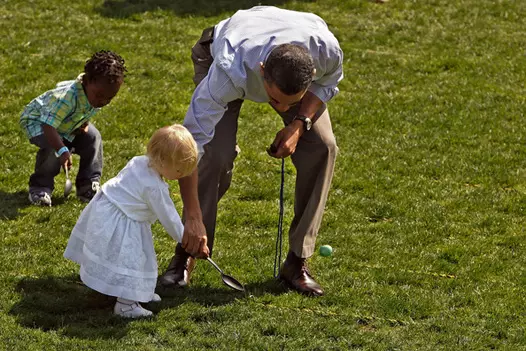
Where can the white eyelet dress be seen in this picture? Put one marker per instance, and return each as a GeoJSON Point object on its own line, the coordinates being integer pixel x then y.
{"type": "Point", "coordinates": [112, 240]}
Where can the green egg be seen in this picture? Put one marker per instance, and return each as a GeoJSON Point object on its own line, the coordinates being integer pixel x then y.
{"type": "Point", "coordinates": [325, 250]}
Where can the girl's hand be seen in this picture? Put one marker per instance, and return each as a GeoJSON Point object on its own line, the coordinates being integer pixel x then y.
{"type": "Point", "coordinates": [194, 238]}
{"type": "Point", "coordinates": [204, 252]}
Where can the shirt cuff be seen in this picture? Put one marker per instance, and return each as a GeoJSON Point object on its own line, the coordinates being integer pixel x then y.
{"type": "Point", "coordinates": [323, 93]}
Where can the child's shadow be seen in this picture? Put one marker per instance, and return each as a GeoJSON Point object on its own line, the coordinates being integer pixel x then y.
{"type": "Point", "coordinates": [11, 203]}
{"type": "Point", "coordinates": [66, 304]}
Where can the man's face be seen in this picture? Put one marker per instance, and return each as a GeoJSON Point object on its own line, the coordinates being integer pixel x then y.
{"type": "Point", "coordinates": [277, 99]}
{"type": "Point", "coordinates": [280, 101]}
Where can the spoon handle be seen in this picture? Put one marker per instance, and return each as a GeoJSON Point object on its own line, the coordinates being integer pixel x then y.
{"type": "Point", "coordinates": [215, 265]}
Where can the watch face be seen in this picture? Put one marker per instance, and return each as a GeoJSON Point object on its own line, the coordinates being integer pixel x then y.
{"type": "Point", "coordinates": [307, 122]}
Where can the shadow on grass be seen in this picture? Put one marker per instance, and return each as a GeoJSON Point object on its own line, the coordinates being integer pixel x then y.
{"type": "Point", "coordinates": [127, 8]}
{"type": "Point", "coordinates": [11, 203]}
{"type": "Point", "coordinates": [66, 305]}
{"type": "Point", "coordinates": [270, 286]}
{"type": "Point", "coordinates": [216, 297]}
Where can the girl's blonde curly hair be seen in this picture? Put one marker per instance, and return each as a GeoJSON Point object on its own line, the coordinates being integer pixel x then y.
{"type": "Point", "coordinates": [173, 146]}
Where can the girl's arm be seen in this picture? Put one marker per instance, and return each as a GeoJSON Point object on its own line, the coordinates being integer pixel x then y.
{"type": "Point", "coordinates": [163, 206]}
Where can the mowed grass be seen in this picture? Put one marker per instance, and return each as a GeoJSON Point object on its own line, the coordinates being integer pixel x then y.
{"type": "Point", "coordinates": [427, 207]}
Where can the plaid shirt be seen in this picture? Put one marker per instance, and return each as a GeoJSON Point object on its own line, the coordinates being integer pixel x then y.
{"type": "Point", "coordinates": [65, 108]}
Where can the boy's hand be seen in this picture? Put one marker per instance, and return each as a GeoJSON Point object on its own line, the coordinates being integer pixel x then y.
{"type": "Point", "coordinates": [66, 160]}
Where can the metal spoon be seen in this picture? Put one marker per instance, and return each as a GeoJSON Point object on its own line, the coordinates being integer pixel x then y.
{"type": "Point", "coordinates": [69, 184]}
{"type": "Point", "coordinates": [228, 280]}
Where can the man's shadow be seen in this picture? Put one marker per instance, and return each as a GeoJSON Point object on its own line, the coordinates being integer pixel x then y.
{"type": "Point", "coordinates": [127, 8]}
{"type": "Point", "coordinates": [208, 296]}
{"type": "Point", "coordinates": [66, 305]}
{"type": "Point", "coordinates": [11, 203]}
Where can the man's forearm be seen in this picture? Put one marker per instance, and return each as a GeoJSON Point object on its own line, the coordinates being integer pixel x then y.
{"type": "Point", "coordinates": [310, 104]}
{"type": "Point", "coordinates": [188, 189]}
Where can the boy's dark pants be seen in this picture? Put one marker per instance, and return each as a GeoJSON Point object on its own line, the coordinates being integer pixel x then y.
{"type": "Point", "coordinates": [87, 145]}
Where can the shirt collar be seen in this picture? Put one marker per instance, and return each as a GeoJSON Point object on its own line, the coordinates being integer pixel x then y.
{"type": "Point", "coordinates": [81, 95]}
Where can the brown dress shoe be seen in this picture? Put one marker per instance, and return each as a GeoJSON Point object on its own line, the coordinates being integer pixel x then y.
{"type": "Point", "coordinates": [296, 275]}
{"type": "Point", "coordinates": [179, 270]}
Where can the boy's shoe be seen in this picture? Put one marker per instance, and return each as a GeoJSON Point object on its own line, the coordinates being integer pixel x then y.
{"type": "Point", "coordinates": [40, 198]}
{"type": "Point", "coordinates": [133, 310]}
{"type": "Point", "coordinates": [90, 193]}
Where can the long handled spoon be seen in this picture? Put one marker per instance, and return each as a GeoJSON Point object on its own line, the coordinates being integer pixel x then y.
{"type": "Point", "coordinates": [228, 280]}
{"type": "Point", "coordinates": [69, 184]}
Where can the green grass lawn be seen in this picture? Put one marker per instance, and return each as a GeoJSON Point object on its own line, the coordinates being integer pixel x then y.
{"type": "Point", "coordinates": [426, 212]}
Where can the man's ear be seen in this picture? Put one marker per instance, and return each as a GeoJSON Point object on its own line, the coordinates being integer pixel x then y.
{"type": "Point", "coordinates": [262, 69]}
{"type": "Point", "coordinates": [314, 73]}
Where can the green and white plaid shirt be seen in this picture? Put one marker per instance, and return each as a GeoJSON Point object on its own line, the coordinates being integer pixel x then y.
{"type": "Point", "coordinates": [65, 108]}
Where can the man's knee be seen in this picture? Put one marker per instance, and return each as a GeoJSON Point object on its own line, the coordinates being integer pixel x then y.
{"type": "Point", "coordinates": [218, 159]}
{"type": "Point", "coordinates": [332, 147]}
{"type": "Point", "coordinates": [328, 145]}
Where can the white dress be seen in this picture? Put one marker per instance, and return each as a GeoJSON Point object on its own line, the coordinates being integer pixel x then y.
{"type": "Point", "coordinates": [112, 240]}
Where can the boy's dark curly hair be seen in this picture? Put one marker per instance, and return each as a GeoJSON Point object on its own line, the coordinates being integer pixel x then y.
{"type": "Point", "coordinates": [105, 65]}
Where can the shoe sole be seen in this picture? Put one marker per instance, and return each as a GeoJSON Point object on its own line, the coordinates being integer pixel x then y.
{"type": "Point", "coordinates": [289, 286]}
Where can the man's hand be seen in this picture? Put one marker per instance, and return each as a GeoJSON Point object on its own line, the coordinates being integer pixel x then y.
{"type": "Point", "coordinates": [286, 140]}
{"type": "Point", "coordinates": [194, 238]}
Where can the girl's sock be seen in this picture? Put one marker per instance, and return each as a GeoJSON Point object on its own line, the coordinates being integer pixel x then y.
{"type": "Point", "coordinates": [125, 301]}
{"type": "Point", "coordinates": [130, 309]}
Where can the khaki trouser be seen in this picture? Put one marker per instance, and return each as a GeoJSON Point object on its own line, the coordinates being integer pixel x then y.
{"type": "Point", "coordinates": [314, 160]}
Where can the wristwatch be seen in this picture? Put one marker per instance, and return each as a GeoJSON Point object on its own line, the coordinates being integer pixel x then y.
{"type": "Point", "coordinates": [307, 122]}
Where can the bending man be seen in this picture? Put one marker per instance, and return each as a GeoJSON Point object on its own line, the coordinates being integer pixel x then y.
{"type": "Point", "coordinates": [293, 62]}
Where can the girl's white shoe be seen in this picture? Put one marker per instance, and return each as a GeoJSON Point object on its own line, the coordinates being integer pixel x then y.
{"type": "Point", "coordinates": [133, 310]}
{"type": "Point", "coordinates": [155, 298]}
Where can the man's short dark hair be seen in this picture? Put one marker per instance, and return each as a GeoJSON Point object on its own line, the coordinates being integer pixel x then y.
{"type": "Point", "coordinates": [290, 67]}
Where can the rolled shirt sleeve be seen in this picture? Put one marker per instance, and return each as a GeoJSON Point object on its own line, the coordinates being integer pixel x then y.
{"type": "Point", "coordinates": [326, 86]}
{"type": "Point", "coordinates": [209, 103]}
